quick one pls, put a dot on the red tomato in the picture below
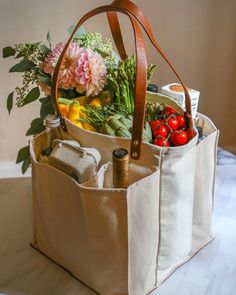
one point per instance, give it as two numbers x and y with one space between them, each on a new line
161 130
168 111
161 141
179 137
172 123
181 121
154 124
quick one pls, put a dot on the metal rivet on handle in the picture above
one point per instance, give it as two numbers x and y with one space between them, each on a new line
136 142
134 154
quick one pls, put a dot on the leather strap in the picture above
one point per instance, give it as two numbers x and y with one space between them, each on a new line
141 76
116 33
137 13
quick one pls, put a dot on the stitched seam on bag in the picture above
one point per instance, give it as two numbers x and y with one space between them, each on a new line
159 217
183 261
215 160
38 249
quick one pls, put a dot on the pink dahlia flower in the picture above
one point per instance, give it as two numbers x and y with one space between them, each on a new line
67 71
90 72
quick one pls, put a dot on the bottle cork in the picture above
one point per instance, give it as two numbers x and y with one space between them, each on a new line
120 159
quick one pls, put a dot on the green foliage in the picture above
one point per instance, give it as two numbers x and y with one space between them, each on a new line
25 165
35 52
10 101
32 55
24 157
49 39
44 78
22 66
8 51
32 95
22 154
36 126
99 115
122 79
45 50
46 107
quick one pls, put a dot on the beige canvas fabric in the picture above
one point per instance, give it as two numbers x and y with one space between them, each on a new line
97 232
186 201
126 241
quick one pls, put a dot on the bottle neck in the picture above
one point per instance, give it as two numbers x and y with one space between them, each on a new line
51 134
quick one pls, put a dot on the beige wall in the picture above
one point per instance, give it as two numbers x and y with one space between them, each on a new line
199 37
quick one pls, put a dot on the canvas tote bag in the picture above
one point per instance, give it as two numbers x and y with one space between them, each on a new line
126 241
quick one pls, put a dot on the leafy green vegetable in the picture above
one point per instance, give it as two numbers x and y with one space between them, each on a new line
122 80
98 115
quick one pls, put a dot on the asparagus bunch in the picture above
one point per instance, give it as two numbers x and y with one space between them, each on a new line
122 80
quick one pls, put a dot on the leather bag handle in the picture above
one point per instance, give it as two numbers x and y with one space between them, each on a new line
116 33
141 75
137 13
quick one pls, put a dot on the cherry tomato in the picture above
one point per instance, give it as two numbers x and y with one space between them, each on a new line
154 124
168 111
181 121
172 123
161 130
161 141
179 137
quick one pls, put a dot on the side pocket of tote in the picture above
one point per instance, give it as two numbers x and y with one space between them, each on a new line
204 191
143 233
176 207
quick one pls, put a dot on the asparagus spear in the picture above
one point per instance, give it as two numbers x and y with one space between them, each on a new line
123 79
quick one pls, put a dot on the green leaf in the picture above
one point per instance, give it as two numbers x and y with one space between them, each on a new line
79 33
23 66
44 99
44 79
8 51
46 108
19 55
22 154
45 49
102 53
49 39
10 101
32 95
25 165
36 127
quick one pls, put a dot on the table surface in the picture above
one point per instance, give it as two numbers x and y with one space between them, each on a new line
24 271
